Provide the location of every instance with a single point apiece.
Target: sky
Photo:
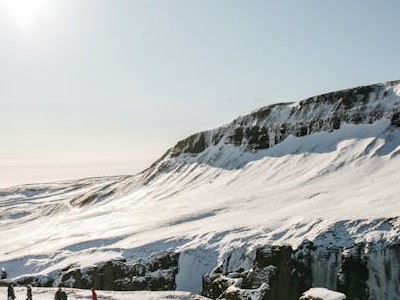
(105, 87)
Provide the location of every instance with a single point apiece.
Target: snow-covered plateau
(287, 198)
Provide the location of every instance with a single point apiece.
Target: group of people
(11, 292)
(60, 294)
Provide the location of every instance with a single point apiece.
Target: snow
(192, 265)
(328, 187)
(323, 294)
(75, 294)
(384, 266)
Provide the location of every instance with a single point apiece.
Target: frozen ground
(76, 294)
(345, 181)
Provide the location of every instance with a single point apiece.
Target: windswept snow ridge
(323, 170)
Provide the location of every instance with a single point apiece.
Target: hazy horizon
(100, 88)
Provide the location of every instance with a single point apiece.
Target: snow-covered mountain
(307, 188)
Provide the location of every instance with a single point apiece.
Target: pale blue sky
(103, 87)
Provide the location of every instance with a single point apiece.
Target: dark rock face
(214, 284)
(43, 281)
(157, 274)
(257, 137)
(352, 279)
(193, 144)
(278, 272)
(293, 272)
(365, 272)
(395, 121)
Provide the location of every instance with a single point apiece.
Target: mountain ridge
(231, 220)
(195, 143)
(266, 127)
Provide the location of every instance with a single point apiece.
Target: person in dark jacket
(94, 295)
(28, 292)
(10, 292)
(60, 295)
(3, 273)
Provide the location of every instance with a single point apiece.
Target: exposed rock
(156, 274)
(214, 284)
(193, 144)
(395, 121)
(366, 272)
(352, 279)
(278, 272)
(43, 281)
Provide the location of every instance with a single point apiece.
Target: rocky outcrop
(278, 272)
(156, 274)
(364, 272)
(353, 276)
(43, 281)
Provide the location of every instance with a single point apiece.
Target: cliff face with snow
(268, 126)
(287, 198)
(360, 270)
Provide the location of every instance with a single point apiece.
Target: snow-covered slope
(324, 169)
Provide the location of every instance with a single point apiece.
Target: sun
(25, 12)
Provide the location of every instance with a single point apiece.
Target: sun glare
(25, 12)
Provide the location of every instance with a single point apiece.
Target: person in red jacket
(94, 295)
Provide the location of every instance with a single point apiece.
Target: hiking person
(94, 295)
(10, 292)
(28, 292)
(60, 294)
(3, 273)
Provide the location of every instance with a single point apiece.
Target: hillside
(316, 178)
